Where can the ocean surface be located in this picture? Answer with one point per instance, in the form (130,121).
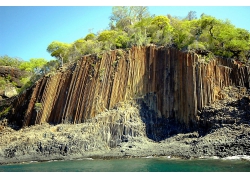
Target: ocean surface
(133,165)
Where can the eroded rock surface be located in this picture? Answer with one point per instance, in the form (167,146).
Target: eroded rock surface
(143,102)
(132,130)
(173,84)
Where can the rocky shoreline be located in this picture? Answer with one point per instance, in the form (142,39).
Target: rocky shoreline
(131,130)
(228,142)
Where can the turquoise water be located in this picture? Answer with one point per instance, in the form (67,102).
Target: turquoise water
(132,165)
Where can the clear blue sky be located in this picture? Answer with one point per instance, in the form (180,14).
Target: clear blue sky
(26,31)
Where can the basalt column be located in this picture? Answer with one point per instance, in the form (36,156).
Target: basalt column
(174,84)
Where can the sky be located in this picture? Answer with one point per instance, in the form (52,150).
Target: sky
(27,29)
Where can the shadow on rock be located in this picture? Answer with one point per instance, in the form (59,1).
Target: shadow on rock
(223,114)
(212,117)
(157,128)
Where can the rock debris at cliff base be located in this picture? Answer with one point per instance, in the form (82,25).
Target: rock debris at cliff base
(146,101)
(122,133)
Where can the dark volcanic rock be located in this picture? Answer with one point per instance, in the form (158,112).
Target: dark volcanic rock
(151,101)
(173,84)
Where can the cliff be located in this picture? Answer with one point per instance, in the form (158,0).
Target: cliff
(173,84)
(146,101)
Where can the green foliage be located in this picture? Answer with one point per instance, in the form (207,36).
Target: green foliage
(107,36)
(35,65)
(183,33)
(209,57)
(121,40)
(162,30)
(27,82)
(133,25)
(99,56)
(101,74)
(139,37)
(223,38)
(191,15)
(36,68)
(4,111)
(196,46)
(119,53)
(50,66)
(2,82)
(124,16)
(30,71)
(90,36)
(112,39)
(59,50)
(10,61)
(161,22)
(82,47)
(38,106)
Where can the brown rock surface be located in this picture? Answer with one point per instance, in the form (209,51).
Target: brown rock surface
(143,102)
(174,84)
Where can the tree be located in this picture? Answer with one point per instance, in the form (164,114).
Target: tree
(124,16)
(223,38)
(59,50)
(35,65)
(90,36)
(139,13)
(113,39)
(235,40)
(10,61)
(191,15)
(121,39)
(138,36)
(161,30)
(161,22)
(51,66)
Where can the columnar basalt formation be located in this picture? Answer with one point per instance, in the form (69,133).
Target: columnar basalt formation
(172,83)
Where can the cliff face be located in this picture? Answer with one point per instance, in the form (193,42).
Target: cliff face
(172,83)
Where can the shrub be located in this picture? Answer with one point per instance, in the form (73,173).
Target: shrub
(38,106)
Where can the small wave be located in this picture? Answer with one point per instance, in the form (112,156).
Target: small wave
(88,159)
(85,159)
(209,157)
(29,162)
(53,160)
(238,157)
(33,161)
(148,157)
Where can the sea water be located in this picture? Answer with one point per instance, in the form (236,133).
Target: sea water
(133,165)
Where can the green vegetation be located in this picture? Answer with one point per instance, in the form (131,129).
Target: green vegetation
(4,111)
(29,71)
(134,26)
(9,61)
(38,106)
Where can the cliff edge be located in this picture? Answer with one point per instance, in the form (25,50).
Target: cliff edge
(144,95)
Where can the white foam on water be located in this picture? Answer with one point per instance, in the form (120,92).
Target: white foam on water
(84,159)
(238,157)
(148,157)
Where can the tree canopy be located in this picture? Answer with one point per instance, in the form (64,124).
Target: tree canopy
(59,50)
(134,26)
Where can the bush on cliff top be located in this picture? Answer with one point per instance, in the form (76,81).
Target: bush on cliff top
(130,25)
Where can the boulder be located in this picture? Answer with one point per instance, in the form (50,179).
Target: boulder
(10,92)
